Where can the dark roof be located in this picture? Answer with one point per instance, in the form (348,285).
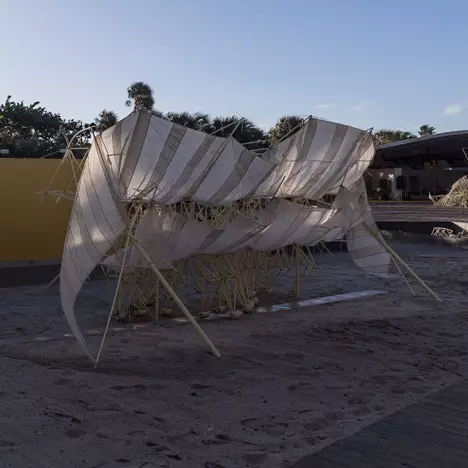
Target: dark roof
(448,146)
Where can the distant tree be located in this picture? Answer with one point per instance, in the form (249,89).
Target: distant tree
(243,130)
(197,121)
(140,95)
(403,135)
(33,131)
(286,126)
(105,120)
(385,136)
(425,130)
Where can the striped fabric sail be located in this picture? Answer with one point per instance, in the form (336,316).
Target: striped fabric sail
(153,159)
(147,159)
(362,236)
(171,236)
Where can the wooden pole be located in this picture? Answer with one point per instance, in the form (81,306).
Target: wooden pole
(298,271)
(156,301)
(405,265)
(117,290)
(403,275)
(175,297)
(56,278)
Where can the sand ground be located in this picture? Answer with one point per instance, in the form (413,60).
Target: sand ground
(288,383)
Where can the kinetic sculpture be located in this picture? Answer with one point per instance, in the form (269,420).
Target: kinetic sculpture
(457,197)
(164,205)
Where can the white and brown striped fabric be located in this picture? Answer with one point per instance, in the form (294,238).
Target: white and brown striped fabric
(154,159)
(95,224)
(147,158)
(362,237)
(171,236)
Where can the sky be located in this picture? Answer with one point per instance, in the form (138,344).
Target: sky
(368,63)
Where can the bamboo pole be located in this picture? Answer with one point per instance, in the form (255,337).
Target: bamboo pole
(403,275)
(298,272)
(403,263)
(176,298)
(117,290)
(55,280)
(156,301)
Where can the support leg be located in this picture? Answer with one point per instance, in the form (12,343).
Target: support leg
(176,298)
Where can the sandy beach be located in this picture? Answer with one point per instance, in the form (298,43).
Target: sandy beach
(288,382)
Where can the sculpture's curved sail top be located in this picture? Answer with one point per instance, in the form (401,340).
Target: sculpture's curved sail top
(146,159)
(151,158)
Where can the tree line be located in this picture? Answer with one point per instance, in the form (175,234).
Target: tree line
(33,131)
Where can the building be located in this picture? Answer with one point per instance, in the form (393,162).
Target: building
(412,169)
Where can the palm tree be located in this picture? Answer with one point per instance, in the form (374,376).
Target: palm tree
(157,113)
(285,127)
(425,130)
(105,120)
(243,130)
(402,135)
(385,136)
(197,121)
(141,95)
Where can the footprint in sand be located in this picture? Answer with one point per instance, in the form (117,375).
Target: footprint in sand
(174,438)
(266,425)
(63,381)
(295,356)
(75,433)
(333,416)
(160,421)
(310,440)
(398,390)
(382,379)
(6,444)
(361,411)
(200,386)
(299,386)
(254,458)
(102,434)
(359,397)
(156,447)
(137,434)
(316,425)
(123,388)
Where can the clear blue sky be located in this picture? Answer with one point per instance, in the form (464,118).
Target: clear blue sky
(396,64)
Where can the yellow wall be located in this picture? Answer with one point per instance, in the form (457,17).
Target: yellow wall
(32,226)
